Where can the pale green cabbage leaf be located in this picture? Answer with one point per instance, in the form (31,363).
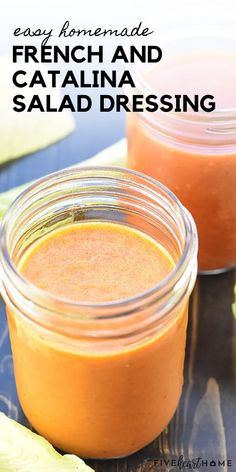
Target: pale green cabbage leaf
(21,450)
(22,133)
(113,155)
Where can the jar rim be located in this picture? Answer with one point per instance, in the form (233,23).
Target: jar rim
(182,265)
(217,115)
(221,121)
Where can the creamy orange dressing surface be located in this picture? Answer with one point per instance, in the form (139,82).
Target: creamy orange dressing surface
(94,262)
(98,402)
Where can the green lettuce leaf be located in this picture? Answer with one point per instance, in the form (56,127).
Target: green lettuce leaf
(234,304)
(113,155)
(22,133)
(21,450)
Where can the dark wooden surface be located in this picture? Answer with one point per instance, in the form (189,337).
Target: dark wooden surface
(205,423)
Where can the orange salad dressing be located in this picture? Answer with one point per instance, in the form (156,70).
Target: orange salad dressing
(203,176)
(98,403)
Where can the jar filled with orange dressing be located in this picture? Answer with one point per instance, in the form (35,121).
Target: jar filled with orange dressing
(97,266)
(194,153)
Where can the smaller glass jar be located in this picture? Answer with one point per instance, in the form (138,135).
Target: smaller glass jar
(194,153)
(102,379)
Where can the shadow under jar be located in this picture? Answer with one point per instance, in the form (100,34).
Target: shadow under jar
(101,380)
(193,152)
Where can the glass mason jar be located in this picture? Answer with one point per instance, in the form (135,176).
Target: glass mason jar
(98,379)
(194,154)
